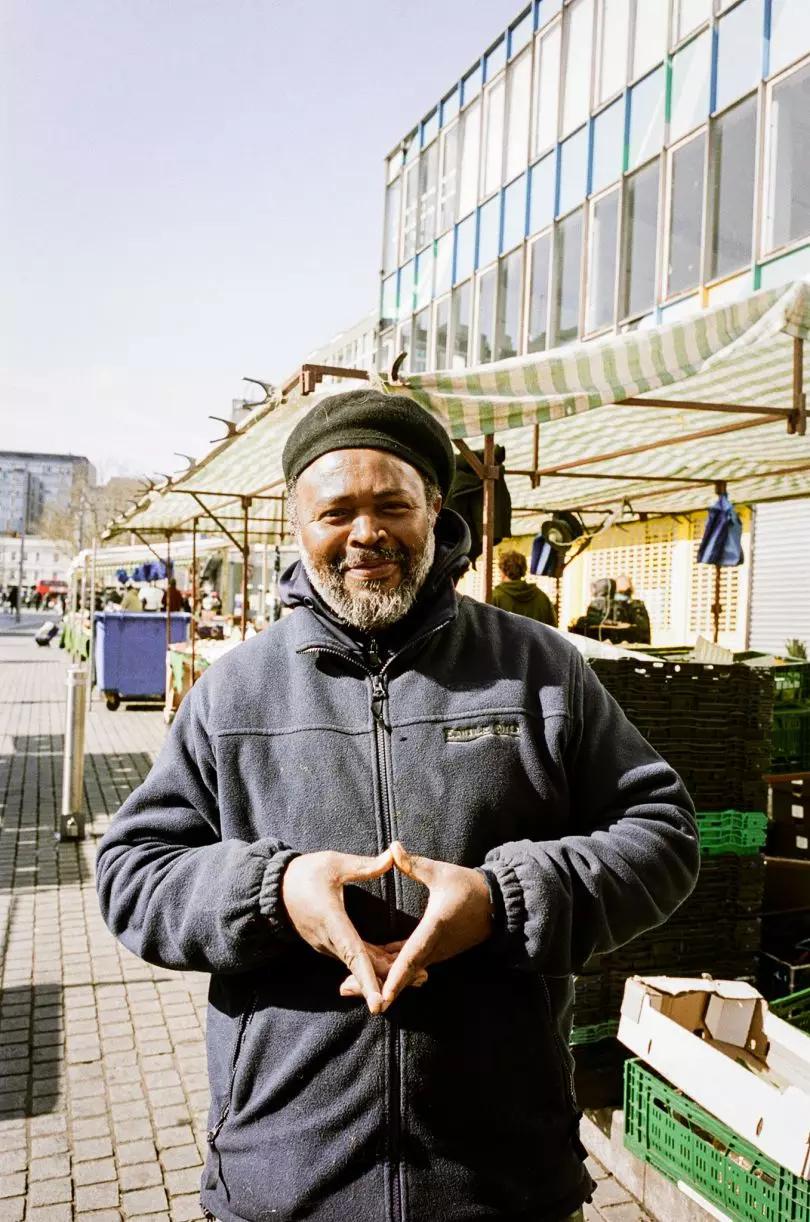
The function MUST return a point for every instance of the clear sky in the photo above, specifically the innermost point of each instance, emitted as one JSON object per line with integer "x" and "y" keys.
{"x": 192, "y": 190}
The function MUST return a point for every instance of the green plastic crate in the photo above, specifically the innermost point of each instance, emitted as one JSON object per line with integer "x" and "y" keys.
{"x": 790, "y": 740}
{"x": 794, "y": 1009}
{"x": 791, "y": 683}
{"x": 683, "y": 1141}
{"x": 593, "y": 1033}
{"x": 731, "y": 831}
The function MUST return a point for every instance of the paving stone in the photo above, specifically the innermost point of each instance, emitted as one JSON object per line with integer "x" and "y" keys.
{"x": 96, "y": 1196}
{"x": 143, "y": 1201}
{"x": 187, "y": 1180}
{"x": 54, "y": 1143}
{"x": 50, "y": 1213}
{"x": 13, "y": 1209}
{"x": 175, "y": 1158}
{"x": 12, "y": 1160}
{"x": 96, "y": 1171}
{"x": 12, "y": 1185}
{"x": 186, "y": 1209}
{"x": 92, "y": 1148}
{"x": 99, "y": 1215}
{"x": 610, "y": 1192}
{"x": 135, "y": 1152}
{"x": 93, "y": 1126}
{"x": 140, "y": 1175}
{"x": 179, "y": 1136}
{"x": 49, "y": 1168}
{"x": 50, "y": 1192}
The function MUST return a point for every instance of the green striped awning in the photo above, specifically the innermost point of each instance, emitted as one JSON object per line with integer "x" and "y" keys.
{"x": 595, "y": 449}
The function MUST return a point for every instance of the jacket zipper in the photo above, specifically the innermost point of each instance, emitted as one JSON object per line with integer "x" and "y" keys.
{"x": 379, "y": 704}
{"x": 565, "y": 1068}
{"x": 213, "y": 1133}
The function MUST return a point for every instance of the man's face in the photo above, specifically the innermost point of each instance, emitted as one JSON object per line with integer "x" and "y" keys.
{"x": 365, "y": 531}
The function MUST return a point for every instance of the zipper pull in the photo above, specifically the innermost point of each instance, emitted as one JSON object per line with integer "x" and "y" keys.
{"x": 378, "y": 695}
{"x": 374, "y": 654}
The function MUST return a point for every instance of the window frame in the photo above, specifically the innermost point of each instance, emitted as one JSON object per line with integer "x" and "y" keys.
{"x": 446, "y": 298}
{"x": 598, "y": 102}
{"x": 469, "y": 284}
{"x": 757, "y": 96}
{"x": 634, "y": 77}
{"x": 763, "y": 252}
{"x": 497, "y": 82}
{"x": 630, "y": 320}
{"x": 551, "y": 30}
{"x": 666, "y": 298}
{"x": 554, "y": 321}
{"x": 508, "y": 254}
{"x": 614, "y": 188}
{"x": 547, "y": 233}
{"x": 491, "y": 269}
{"x": 562, "y": 131}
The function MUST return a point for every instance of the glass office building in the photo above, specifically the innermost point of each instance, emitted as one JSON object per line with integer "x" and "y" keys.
{"x": 606, "y": 164}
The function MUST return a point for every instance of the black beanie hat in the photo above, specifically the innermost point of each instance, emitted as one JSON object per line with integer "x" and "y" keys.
{"x": 372, "y": 420}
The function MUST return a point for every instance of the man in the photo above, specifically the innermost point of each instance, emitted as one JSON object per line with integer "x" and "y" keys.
{"x": 174, "y": 596}
{"x": 130, "y": 600}
{"x": 391, "y": 826}
{"x": 519, "y": 596}
{"x": 151, "y": 597}
{"x": 631, "y": 611}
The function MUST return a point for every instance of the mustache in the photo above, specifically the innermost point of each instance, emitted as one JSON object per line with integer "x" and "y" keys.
{"x": 358, "y": 556}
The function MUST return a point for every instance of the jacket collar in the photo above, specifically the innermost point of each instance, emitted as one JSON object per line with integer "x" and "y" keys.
{"x": 436, "y": 603}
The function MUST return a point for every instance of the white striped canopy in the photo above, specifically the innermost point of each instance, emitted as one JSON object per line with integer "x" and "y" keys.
{"x": 595, "y": 450}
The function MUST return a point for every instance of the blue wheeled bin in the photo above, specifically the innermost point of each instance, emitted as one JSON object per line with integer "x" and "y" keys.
{"x": 130, "y": 653}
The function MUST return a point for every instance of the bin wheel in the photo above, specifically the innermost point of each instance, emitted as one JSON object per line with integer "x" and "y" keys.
{"x": 113, "y": 700}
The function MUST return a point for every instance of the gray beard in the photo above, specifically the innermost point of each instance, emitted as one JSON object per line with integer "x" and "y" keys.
{"x": 371, "y": 608}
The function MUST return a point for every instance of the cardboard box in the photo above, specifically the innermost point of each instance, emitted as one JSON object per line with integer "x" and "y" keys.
{"x": 717, "y": 1041}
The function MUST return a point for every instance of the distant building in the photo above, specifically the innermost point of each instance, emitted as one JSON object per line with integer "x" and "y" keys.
{"x": 43, "y": 560}
{"x": 354, "y": 348}
{"x": 53, "y": 480}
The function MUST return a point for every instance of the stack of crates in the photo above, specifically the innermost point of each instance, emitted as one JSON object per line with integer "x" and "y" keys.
{"x": 713, "y": 724}
{"x": 790, "y": 749}
{"x": 688, "y": 1145}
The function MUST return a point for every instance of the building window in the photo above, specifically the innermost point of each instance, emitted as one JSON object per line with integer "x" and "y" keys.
{"x": 547, "y": 90}
{"x": 424, "y": 279}
{"x": 470, "y": 159}
{"x": 520, "y": 32}
{"x": 460, "y": 326}
{"x": 430, "y": 128}
{"x": 787, "y": 216}
{"x": 411, "y": 211}
{"x": 388, "y": 309}
{"x": 639, "y": 241}
{"x": 494, "y": 108}
{"x": 407, "y": 285}
{"x": 485, "y": 327}
{"x": 518, "y": 114}
{"x": 732, "y": 182}
{"x": 444, "y": 264}
{"x": 449, "y": 172}
{"x": 495, "y": 59}
{"x": 573, "y": 171}
{"x": 691, "y": 70}
{"x": 419, "y": 353}
{"x": 514, "y": 213}
{"x": 542, "y": 191}
{"x": 613, "y": 40}
{"x": 608, "y": 146}
{"x": 428, "y": 174}
{"x": 404, "y": 345}
{"x": 489, "y": 226}
{"x": 510, "y": 286}
{"x": 567, "y": 276}
{"x": 739, "y": 52}
{"x": 471, "y": 83}
{"x": 441, "y": 331}
{"x": 686, "y": 215}
{"x": 450, "y": 106}
{"x": 465, "y": 249}
{"x": 578, "y": 57}
{"x": 603, "y": 252}
{"x": 646, "y": 119}
{"x": 386, "y": 354}
{"x": 393, "y": 196}
{"x": 650, "y": 35}
{"x": 689, "y": 14}
{"x": 790, "y": 32}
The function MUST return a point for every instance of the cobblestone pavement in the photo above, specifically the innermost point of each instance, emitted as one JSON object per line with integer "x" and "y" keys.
{"x": 103, "y": 1086}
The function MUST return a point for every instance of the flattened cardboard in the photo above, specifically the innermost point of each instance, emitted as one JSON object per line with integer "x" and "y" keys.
{"x": 756, "y": 1079}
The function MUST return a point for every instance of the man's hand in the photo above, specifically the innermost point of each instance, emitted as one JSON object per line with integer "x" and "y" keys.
{"x": 312, "y": 891}
{"x": 457, "y": 917}
{"x": 383, "y": 958}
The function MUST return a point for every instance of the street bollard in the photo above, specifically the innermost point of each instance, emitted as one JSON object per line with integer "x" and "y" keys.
{"x": 71, "y": 822}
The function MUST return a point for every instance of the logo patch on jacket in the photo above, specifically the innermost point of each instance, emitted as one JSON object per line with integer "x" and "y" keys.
{"x": 495, "y": 729}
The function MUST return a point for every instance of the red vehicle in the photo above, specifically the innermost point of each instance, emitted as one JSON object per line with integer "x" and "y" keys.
{"x": 52, "y": 589}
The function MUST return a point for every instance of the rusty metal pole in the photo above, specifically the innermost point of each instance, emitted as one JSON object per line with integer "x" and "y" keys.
{"x": 488, "y": 515}
{"x": 193, "y": 596}
{"x": 716, "y": 608}
{"x": 245, "y": 558}
{"x": 798, "y": 419}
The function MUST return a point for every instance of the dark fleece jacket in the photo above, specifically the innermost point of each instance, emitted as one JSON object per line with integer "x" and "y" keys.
{"x": 481, "y": 739}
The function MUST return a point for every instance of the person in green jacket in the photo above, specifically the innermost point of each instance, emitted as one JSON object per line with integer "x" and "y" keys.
{"x": 519, "y": 596}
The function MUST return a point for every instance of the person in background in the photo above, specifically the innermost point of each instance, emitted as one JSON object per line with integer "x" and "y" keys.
{"x": 519, "y": 596}
{"x": 130, "y": 600}
{"x": 175, "y": 598}
{"x": 631, "y": 611}
{"x": 151, "y": 597}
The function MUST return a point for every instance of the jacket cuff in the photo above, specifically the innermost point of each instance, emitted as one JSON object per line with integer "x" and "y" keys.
{"x": 509, "y": 909}
{"x": 271, "y": 905}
